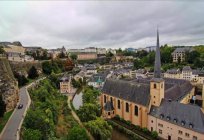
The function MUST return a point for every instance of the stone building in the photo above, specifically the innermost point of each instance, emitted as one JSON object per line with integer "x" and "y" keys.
{"x": 179, "y": 53}
{"x": 66, "y": 84}
{"x": 159, "y": 104}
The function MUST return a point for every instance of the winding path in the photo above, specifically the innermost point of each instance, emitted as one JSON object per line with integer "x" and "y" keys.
{"x": 77, "y": 118}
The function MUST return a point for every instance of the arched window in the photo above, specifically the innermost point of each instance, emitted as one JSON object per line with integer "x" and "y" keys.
{"x": 161, "y": 85}
{"x": 127, "y": 107}
{"x": 111, "y": 99}
{"x": 136, "y": 111}
{"x": 104, "y": 98}
{"x": 155, "y": 86}
{"x": 118, "y": 104}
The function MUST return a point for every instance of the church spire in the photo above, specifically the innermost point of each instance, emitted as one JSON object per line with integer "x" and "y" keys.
{"x": 157, "y": 65}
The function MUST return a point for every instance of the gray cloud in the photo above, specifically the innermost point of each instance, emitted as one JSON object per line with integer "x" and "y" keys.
{"x": 102, "y": 24}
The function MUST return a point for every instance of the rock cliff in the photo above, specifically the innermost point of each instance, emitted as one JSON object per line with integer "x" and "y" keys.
{"x": 8, "y": 85}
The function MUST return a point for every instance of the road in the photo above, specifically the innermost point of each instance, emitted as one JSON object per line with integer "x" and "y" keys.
{"x": 12, "y": 126}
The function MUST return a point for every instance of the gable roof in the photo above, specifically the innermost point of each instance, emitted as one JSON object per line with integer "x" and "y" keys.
{"x": 137, "y": 93}
{"x": 183, "y": 113}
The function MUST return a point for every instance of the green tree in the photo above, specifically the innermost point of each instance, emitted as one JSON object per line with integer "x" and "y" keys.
{"x": 2, "y": 50}
{"x": 77, "y": 133}
{"x": 2, "y": 106}
{"x": 88, "y": 112}
{"x": 33, "y": 73}
{"x": 99, "y": 128}
{"x": 30, "y": 134}
{"x": 191, "y": 56}
{"x": 73, "y": 56}
{"x": 137, "y": 64}
{"x": 47, "y": 67}
{"x": 22, "y": 80}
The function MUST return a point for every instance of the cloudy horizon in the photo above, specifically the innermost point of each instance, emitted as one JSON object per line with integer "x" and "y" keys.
{"x": 114, "y": 24}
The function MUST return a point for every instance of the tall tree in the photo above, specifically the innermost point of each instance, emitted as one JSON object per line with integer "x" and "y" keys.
{"x": 77, "y": 133}
{"x": 30, "y": 134}
{"x": 99, "y": 128}
{"x": 2, "y": 50}
{"x": 33, "y": 73}
{"x": 2, "y": 107}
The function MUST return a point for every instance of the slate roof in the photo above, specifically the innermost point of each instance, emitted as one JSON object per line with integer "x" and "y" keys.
{"x": 184, "y": 49}
{"x": 173, "y": 71}
{"x": 138, "y": 90}
{"x": 171, "y": 111}
{"x": 97, "y": 77}
{"x": 137, "y": 93}
{"x": 187, "y": 68}
{"x": 108, "y": 106}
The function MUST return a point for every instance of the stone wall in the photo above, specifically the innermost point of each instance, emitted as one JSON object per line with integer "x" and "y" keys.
{"x": 8, "y": 85}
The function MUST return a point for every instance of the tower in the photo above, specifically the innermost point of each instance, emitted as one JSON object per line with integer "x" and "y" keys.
{"x": 203, "y": 95}
{"x": 157, "y": 83}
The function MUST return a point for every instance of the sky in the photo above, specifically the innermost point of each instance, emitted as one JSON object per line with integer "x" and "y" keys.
{"x": 107, "y": 24}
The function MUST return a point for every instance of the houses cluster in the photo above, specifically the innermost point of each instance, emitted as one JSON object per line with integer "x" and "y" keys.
{"x": 159, "y": 104}
{"x": 194, "y": 75}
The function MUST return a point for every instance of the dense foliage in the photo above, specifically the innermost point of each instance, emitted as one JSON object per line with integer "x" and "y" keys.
{"x": 57, "y": 66}
{"x": 33, "y": 73}
{"x": 49, "y": 115}
{"x": 99, "y": 128}
{"x": 2, "y": 107}
{"x": 22, "y": 80}
{"x": 77, "y": 133}
{"x": 90, "y": 112}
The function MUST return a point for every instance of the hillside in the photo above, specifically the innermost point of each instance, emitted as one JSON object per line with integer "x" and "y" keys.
{"x": 8, "y": 85}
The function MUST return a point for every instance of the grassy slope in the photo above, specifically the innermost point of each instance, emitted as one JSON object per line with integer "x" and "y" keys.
{"x": 4, "y": 120}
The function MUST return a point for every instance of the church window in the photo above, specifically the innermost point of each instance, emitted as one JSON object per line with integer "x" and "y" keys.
{"x": 104, "y": 98}
{"x": 111, "y": 99}
{"x": 118, "y": 104}
{"x": 136, "y": 111}
{"x": 155, "y": 86}
{"x": 127, "y": 107}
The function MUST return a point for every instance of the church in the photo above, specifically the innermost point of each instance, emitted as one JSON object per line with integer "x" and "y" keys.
{"x": 159, "y": 104}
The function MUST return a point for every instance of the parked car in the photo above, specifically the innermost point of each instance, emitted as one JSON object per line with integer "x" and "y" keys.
{"x": 20, "y": 106}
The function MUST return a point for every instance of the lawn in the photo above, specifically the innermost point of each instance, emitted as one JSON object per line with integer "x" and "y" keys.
{"x": 4, "y": 120}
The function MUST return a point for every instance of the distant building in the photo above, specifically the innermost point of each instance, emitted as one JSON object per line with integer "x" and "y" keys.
{"x": 86, "y": 56}
{"x": 179, "y": 53}
{"x": 193, "y": 75}
{"x": 65, "y": 84}
{"x": 101, "y": 50}
{"x": 150, "y": 48}
{"x": 91, "y": 50}
{"x": 54, "y": 53}
{"x": 97, "y": 80}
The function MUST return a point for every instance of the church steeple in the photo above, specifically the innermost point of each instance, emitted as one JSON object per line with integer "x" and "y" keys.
{"x": 157, "y": 64}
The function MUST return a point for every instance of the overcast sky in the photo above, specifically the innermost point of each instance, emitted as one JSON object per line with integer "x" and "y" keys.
{"x": 52, "y": 24}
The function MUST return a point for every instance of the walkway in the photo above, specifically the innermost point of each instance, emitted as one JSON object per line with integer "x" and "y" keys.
{"x": 77, "y": 118}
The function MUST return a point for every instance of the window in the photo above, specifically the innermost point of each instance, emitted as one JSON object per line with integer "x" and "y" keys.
{"x": 111, "y": 99}
{"x": 195, "y": 138}
{"x": 180, "y": 132}
{"x": 118, "y": 104}
{"x": 160, "y": 125}
{"x": 108, "y": 113}
{"x": 179, "y": 138}
{"x": 160, "y": 131}
{"x": 127, "y": 107}
{"x": 187, "y": 135}
{"x": 155, "y": 86}
{"x": 161, "y": 85}
{"x": 136, "y": 111}
{"x": 151, "y": 129}
{"x": 104, "y": 98}
{"x": 151, "y": 121}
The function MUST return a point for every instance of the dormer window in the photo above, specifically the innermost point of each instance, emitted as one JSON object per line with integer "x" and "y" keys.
{"x": 168, "y": 118}
{"x": 183, "y": 123}
{"x": 191, "y": 125}
{"x": 161, "y": 116}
